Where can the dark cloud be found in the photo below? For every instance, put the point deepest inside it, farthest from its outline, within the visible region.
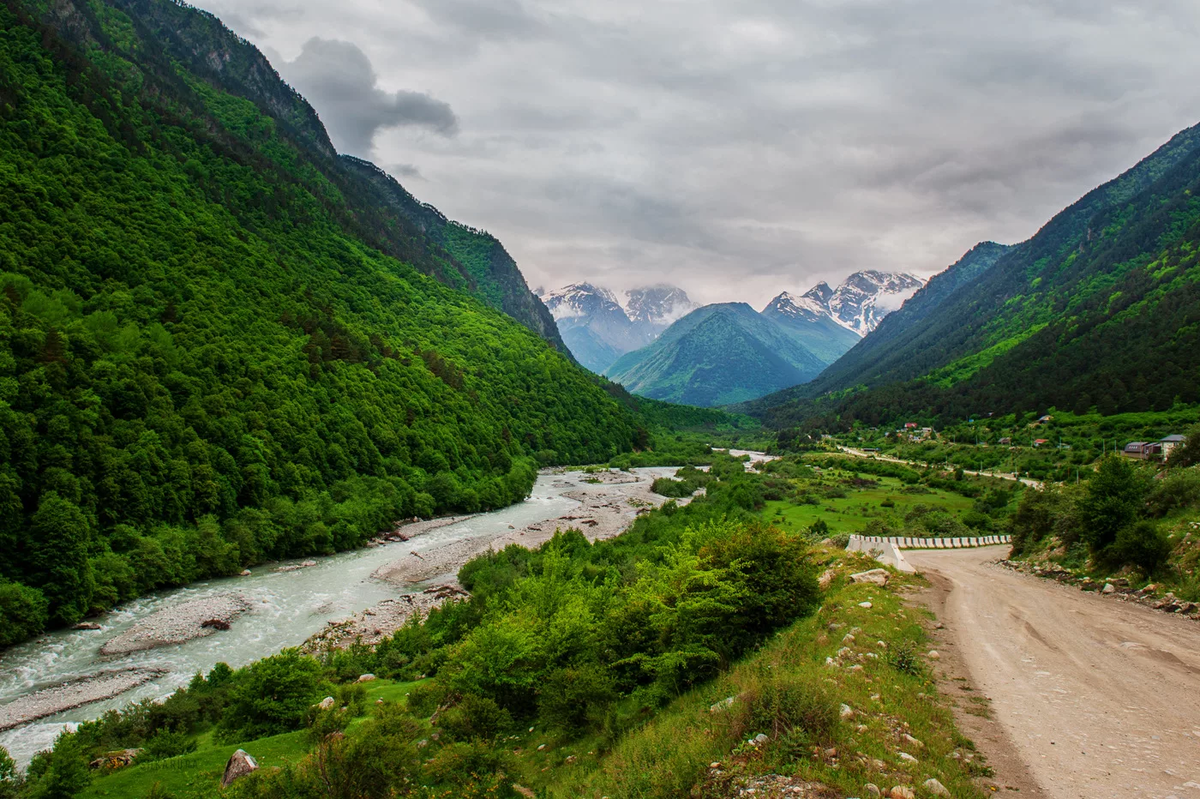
(739, 147)
(338, 79)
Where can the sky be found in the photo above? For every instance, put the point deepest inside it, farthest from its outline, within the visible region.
(739, 148)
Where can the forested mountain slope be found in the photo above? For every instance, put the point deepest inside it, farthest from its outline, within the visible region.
(212, 352)
(365, 201)
(716, 355)
(491, 273)
(902, 325)
(1101, 307)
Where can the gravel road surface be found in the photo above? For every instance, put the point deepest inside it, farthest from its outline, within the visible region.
(1100, 698)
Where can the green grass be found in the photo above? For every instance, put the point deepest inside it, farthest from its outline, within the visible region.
(199, 774)
(852, 513)
(672, 752)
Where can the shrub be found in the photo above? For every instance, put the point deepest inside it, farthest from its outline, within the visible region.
(571, 698)
(475, 718)
(23, 613)
(666, 487)
(1141, 544)
(167, 743)
(781, 707)
(1180, 489)
(464, 764)
(271, 696)
(904, 658)
(426, 698)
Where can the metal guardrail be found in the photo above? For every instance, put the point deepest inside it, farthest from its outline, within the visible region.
(901, 542)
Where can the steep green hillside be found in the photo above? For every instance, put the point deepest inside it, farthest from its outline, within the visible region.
(208, 356)
(716, 355)
(823, 337)
(366, 202)
(1100, 308)
(490, 271)
(900, 326)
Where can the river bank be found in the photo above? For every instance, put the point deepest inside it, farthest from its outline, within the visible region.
(608, 502)
(286, 605)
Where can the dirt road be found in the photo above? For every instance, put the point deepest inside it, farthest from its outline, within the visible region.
(1100, 698)
(858, 453)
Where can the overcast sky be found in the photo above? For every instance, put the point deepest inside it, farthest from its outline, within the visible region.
(738, 148)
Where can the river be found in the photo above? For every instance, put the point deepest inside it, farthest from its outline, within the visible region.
(286, 609)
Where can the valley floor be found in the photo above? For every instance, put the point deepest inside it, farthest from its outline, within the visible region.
(1100, 698)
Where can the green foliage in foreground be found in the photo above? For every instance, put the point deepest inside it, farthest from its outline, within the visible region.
(203, 366)
(789, 692)
(583, 640)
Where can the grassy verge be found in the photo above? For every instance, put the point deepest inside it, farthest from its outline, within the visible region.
(198, 775)
(839, 697)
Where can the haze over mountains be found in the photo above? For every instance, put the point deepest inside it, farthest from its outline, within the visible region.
(725, 352)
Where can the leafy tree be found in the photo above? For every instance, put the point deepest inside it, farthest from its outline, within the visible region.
(1113, 500)
(271, 696)
(10, 777)
(23, 613)
(1142, 544)
(61, 535)
(1189, 453)
(61, 773)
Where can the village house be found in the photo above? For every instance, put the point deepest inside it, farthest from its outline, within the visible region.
(1142, 450)
(1169, 444)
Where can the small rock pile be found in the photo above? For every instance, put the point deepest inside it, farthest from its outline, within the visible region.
(1117, 587)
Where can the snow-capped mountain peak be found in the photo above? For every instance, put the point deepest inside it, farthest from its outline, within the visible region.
(858, 304)
(861, 302)
(657, 306)
(803, 307)
(580, 300)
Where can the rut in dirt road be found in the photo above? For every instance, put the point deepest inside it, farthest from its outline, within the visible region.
(1101, 698)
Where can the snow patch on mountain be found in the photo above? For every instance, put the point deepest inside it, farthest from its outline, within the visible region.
(580, 300)
(658, 306)
(859, 304)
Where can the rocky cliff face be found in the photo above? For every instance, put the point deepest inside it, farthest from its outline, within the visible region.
(861, 302)
(655, 308)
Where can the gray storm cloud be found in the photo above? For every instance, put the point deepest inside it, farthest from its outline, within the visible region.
(338, 79)
(742, 147)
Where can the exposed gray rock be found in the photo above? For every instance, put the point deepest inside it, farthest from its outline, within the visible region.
(239, 765)
(876, 576)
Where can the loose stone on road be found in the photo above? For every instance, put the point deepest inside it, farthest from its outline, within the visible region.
(1101, 699)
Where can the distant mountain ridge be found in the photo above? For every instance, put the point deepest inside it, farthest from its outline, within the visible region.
(726, 352)
(598, 329)
(716, 355)
(1099, 309)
